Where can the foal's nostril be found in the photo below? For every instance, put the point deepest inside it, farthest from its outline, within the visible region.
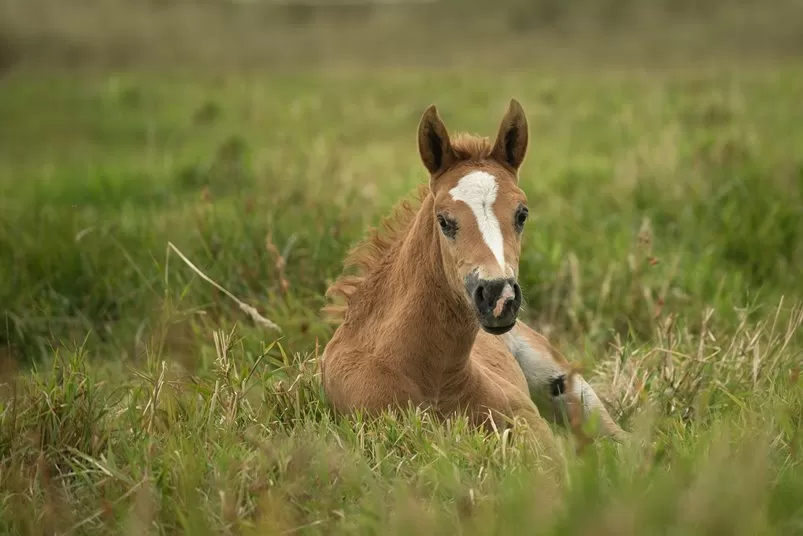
(479, 296)
(517, 291)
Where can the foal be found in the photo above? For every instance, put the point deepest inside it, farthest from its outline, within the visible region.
(431, 317)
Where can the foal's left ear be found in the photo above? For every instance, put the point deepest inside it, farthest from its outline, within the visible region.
(510, 146)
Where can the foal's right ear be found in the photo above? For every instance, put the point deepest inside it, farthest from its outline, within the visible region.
(433, 142)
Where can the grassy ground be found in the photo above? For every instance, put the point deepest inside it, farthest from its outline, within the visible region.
(663, 252)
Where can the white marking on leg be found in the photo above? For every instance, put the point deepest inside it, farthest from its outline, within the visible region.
(591, 402)
(539, 370)
(478, 190)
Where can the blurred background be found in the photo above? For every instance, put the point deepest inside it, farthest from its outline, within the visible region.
(227, 34)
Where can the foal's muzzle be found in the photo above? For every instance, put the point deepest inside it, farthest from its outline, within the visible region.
(496, 301)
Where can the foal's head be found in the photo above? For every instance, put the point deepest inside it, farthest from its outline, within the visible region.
(479, 212)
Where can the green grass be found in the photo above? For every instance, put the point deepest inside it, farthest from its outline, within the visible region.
(663, 252)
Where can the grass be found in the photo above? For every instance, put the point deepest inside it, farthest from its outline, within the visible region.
(663, 252)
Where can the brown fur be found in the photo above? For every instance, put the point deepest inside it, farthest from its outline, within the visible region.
(407, 333)
(367, 255)
(471, 148)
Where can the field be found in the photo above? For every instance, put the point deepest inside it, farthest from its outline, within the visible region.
(663, 253)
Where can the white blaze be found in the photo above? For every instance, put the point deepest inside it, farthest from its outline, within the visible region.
(478, 191)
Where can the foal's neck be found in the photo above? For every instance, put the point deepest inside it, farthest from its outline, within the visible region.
(436, 329)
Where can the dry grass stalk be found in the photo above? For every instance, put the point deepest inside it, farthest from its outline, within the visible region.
(671, 374)
(227, 377)
(280, 264)
(153, 400)
(247, 309)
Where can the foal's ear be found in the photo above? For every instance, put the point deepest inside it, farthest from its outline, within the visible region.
(433, 142)
(510, 146)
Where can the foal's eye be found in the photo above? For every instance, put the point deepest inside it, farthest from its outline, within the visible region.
(521, 217)
(448, 226)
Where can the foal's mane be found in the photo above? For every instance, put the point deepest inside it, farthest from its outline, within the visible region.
(369, 253)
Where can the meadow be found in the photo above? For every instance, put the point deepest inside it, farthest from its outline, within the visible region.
(663, 253)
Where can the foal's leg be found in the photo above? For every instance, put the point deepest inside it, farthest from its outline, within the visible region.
(524, 409)
(495, 403)
(553, 386)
